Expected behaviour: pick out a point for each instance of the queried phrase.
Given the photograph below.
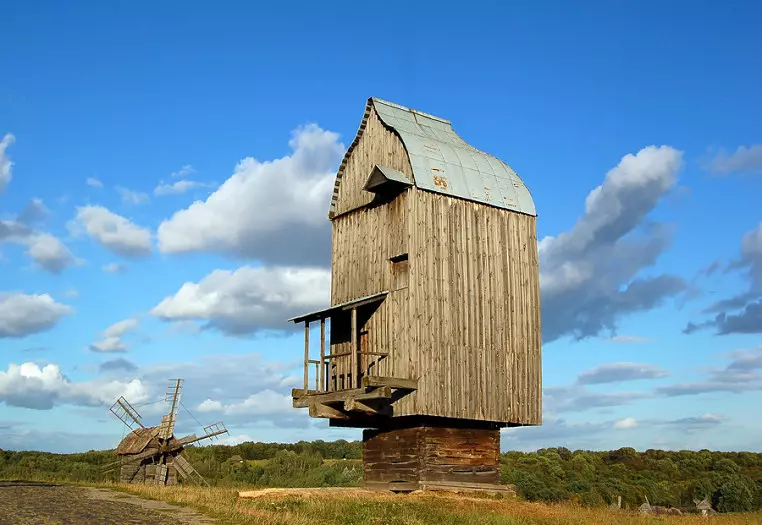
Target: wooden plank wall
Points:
(475, 307)
(435, 454)
(377, 145)
(364, 240)
(468, 323)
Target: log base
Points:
(423, 457)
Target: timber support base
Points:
(425, 457)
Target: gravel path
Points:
(23, 503)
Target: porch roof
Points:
(332, 310)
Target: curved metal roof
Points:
(445, 163)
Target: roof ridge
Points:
(411, 110)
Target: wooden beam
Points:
(322, 355)
(393, 382)
(325, 411)
(353, 405)
(355, 357)
(328, 397)
(306, 354)
(384, 392)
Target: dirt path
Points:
(24, 503)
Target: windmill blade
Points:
(210, 431)
(126, 413)
(161, 474)
(186, 470)
(174, 390)
(140, 457)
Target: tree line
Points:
(731, 480)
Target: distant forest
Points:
(732, 480)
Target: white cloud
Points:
(266, 402)
(6, 166)
(49, 252)
(109, 344)
(112, 337)
(94, 182)
(114, 268)
(132, 197)
(22, 315)
(248, 299)
(232, 440)
(743, 160)
(30, 386)
(182, 172)
(626, 423)
(274, 211)
(114, 232)
(618, 372)
(120, 328)
(589, 275)
(177, 188)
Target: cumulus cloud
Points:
(177, 188)
(741, 314)
(112, 337)
(29, 385)
(112, 231)
(589, 276)
(45, 249)
(248, 299)
(22, 314)
(616, 372)
(266, 402)
(94, 182)
(6, 166)
(626, 423)
(132, 197)
(273, 211)
(49, 252)
(742, 160)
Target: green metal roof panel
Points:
(444, 163)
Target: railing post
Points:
(306, 356)
(322, 355)
(354, 356)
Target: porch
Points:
(345, 382)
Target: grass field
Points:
(353, 507)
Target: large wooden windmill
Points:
(153, 455)
(435, 340)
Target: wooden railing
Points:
(324, 365)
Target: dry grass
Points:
(355, 507)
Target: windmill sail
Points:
(186, 470)
(126, 413)
(174, 390)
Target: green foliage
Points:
(732, 481)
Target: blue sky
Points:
(115, 280)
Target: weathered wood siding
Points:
(425, 453)
(463, 313)
(377, 145)
(475, 307)
(364, 240)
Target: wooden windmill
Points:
(153, 455)
(435, 340)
